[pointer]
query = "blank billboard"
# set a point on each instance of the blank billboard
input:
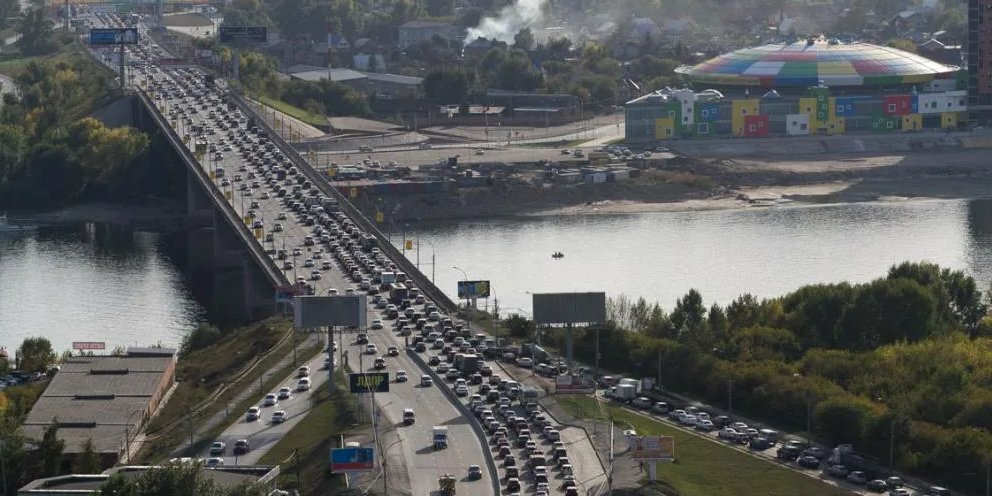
(569, 308)
(310, 312)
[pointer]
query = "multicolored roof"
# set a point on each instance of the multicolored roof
(806, 64)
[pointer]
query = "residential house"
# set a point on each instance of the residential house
(414, 32)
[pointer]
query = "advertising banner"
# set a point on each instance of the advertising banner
(377, 382)
(473, 289)
(352, 460)
(113, 36)
(652, 448)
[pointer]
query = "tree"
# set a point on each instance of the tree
(13, 454)
(88, 462)
(204, 335)
(175, 479)
(902, 44)
(689, 314)
(524, 39)
(440, 8)
(519, 326)
(50, 450)
(35, 354)
(447, 86)
(36, 31)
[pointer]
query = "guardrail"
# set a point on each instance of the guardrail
(275, 276)
(425, 285)
(472, 420)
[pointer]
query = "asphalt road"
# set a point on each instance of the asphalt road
(413, 449)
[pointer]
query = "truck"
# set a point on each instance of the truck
(631, 382)
(467, 364)
(446, 483)
(623, 392)
(388, 278)
(440, 437)
(533, 351)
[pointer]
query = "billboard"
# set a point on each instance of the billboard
(317, 311)
(113, 36)
(473, 289)
(569, 308)
(574, 384)
(243, 34)
(89, 345)
(285, 294)
(652, 448)
(352, 460)
(375, 382)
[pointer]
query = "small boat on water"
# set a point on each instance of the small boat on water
(557, 255)
(6, 227)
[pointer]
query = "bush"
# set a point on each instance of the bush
(204, 335)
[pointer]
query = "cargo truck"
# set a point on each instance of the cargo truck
(440, 437)
(623, 392)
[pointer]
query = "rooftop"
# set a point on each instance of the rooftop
(334, 74)
(99, 398)
(91, 483)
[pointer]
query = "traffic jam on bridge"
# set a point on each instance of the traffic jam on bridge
(321, 251)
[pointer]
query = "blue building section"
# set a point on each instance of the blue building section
(708, 112)
(846, 106)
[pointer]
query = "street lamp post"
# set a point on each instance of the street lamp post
(464, 278)
(433, 259)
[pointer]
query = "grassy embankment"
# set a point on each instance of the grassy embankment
(219, 367)
(316, 120)
(703, 467)
(303, 451)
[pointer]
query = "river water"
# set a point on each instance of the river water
(660, 256)
(93, 282)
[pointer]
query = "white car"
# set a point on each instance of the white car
(303, 384)
(461, 390)
(525, 362)
(270, 400)
(278, 417)
(285, 393)
(370, 349)
(442, 367)
(376, 324)
(401, 376)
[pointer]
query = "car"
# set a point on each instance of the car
(241, 447)
(461, 390)
(278, 417)
(857, 477)
(474, 472)
(704, 425)
(894, 482)
(876, 486)
(303, 384)
(899, 492)
(434, 360)
(401, 376)
(303, 371)
(215, 462)
(525, 362)
(839, 471)
(808, 461)
(393, 351)
(285, 393)
(426, 381)
(218, 448)
(371, 349)
(270, 400)
(253, 414)
(362, 338)
(512, 484)
(379, 363)
(480, 151)
(442, 367)
(376, 324)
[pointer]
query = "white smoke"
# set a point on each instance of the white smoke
(509, 22)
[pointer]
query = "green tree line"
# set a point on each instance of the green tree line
(49, 156)
(904, 358)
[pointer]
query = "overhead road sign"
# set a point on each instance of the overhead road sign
(243, 34)
(369, 382)
(473, 289)
(113, 36)
(352, 460)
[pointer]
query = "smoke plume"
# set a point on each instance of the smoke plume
(511, 19)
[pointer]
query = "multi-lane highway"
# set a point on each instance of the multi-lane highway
(245, 165)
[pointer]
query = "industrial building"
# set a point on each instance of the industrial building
(979, 63)
(103, 399)
(83, 484)
(804, 87)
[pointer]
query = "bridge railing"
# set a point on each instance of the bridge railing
(272, 272)
(356, 216)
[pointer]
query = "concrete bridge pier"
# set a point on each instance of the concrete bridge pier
(234, 287)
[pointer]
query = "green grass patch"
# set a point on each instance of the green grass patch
(704, 467)
(203, 371)
(303, 451)
(316, 120)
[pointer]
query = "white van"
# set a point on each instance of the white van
(408, 416)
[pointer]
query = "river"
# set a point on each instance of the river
(96, 283)
(659, 256)
(93, 282)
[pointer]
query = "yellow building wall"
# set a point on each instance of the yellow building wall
(833, 108)
(664, 128)
(912, 122)
(949, 120)
(808, 106)
(835, 126)
(741, 109)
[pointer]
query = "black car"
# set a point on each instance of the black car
(877, 486)
(434, 360)
(808, 461)
(241, 447)
(421, 347)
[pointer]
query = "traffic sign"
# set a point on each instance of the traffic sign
(375, 382)
(113, 36)
(245, 34)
